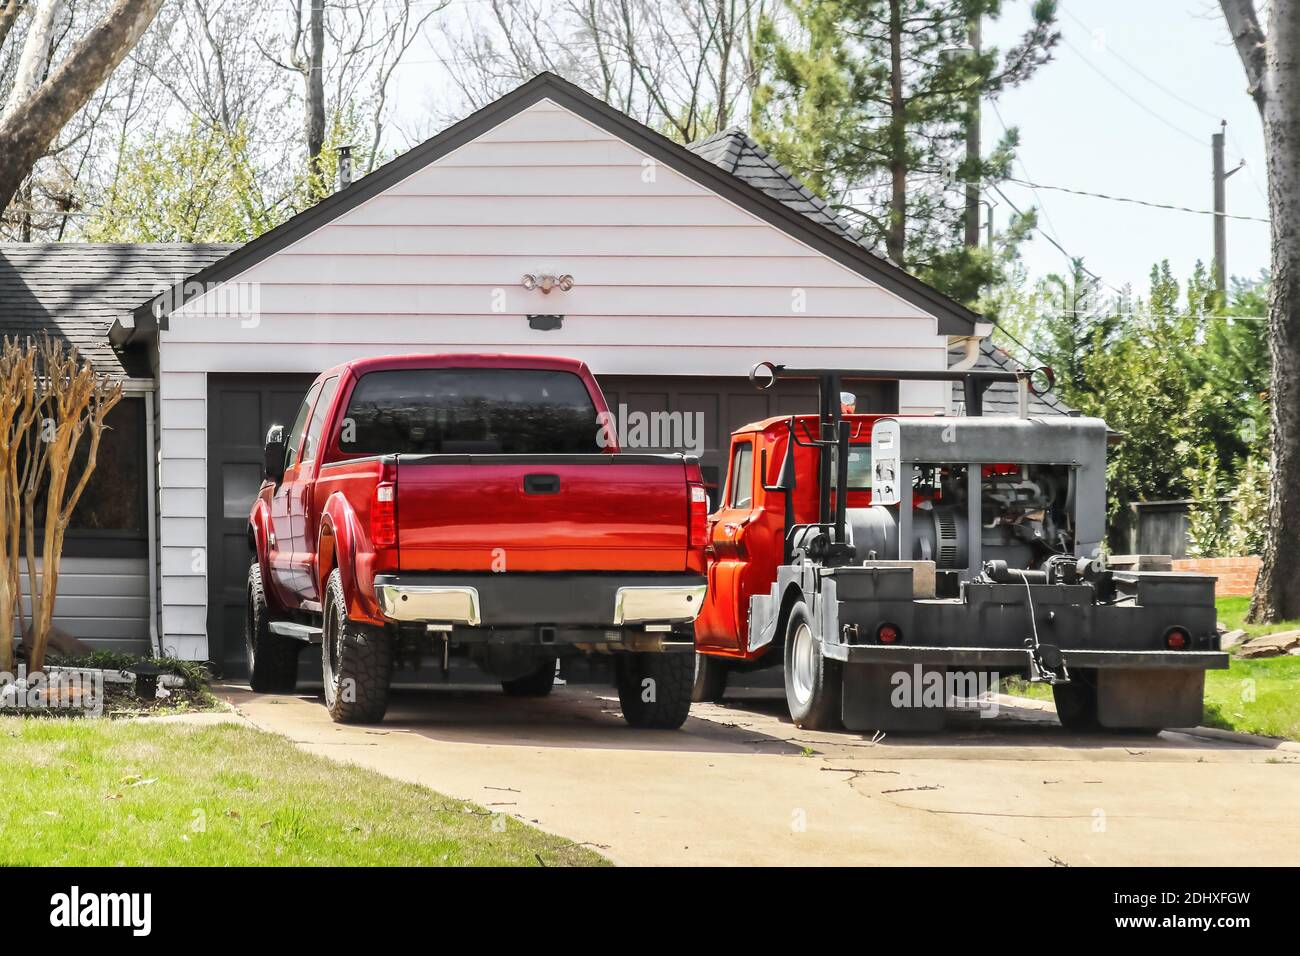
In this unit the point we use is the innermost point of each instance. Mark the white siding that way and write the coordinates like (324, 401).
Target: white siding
(102, 601)
(670, 278)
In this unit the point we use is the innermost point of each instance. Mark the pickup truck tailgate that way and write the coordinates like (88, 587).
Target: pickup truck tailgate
(510, 513)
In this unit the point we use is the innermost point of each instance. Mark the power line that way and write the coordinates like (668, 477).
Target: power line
(1131, 98)
(1154, 82)
(1023, 168)
(1136, 202)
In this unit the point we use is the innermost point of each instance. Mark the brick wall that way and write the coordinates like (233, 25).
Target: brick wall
(1236, 576)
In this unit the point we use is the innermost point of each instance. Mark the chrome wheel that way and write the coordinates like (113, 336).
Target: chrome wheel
(803, 665)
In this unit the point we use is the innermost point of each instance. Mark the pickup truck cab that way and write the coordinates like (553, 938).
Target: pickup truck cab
(477, 506)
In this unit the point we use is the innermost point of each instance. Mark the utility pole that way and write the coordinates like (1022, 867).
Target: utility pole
(1220, 220)
(973, 151)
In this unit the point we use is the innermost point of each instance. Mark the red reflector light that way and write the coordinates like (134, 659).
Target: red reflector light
(383, 517)
(888, 634)
(1177, 638)
(699, 516)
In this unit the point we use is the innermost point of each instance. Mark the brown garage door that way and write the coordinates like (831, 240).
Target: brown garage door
(728, 403)
(240, 410)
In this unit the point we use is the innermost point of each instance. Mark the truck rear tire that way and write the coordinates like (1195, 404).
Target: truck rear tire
(710, 679)
(535, 684)
(814, 684)
(272, 659)
(356, 662)
(654, 689)
(1076, 702)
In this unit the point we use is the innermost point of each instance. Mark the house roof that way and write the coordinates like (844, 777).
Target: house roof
(1003, 398)
(76, 291)
(738, 153)
(750, 188)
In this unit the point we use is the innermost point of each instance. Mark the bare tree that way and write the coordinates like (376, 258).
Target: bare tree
(31, 125)
(17, 410)
(346, 54)
(9, 10)
(69, 400)
(683, 66)
(38, 47)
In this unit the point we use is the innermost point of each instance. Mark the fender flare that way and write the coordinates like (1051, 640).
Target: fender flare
(336, 547)
(259, 521)
(792, 595)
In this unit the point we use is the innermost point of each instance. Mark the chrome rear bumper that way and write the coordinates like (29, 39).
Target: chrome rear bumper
(590, 600)
(660, 605)
(415, 602)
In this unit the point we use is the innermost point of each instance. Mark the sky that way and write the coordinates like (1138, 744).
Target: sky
(1126, 108)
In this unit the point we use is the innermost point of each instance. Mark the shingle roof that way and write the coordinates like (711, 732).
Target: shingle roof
(76, 290)
(1003, 398)
(739, 154)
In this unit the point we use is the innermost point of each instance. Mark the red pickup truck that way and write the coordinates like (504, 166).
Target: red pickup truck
(477, 506)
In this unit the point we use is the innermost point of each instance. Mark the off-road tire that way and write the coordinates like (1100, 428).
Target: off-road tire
(814, 685)
(535, 684)
(272, 659)
(356, 662)
(1076, 702)
(710, 679)
(667, 678)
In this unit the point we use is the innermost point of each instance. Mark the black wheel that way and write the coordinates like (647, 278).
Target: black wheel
(1076, 702)
(272, 659)
(356, 661)
(538, 683)
(813, 683)
(710, 679)
(655, 688)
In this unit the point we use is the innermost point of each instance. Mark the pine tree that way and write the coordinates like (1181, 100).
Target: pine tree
(870, 104)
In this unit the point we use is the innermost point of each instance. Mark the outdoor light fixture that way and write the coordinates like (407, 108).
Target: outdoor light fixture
(547, 282)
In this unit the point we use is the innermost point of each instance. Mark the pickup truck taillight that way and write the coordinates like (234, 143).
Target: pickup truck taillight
(699, 516)
(383, 517)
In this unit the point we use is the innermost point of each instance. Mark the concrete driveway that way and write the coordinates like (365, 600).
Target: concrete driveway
(741, 785)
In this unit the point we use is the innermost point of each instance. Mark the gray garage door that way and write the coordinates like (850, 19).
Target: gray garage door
(240, 410)
(728, 403)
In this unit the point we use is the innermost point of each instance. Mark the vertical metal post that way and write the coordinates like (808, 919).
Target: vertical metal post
(841, 481)
(974, 518)
(905, 473)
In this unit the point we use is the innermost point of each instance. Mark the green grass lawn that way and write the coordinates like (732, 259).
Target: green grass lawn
(87, 792)
(1232, 614)
(1259, 696)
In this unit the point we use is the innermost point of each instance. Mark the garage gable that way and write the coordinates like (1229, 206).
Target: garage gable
(588, 171)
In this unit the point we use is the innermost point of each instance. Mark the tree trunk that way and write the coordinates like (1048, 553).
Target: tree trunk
(972, 223)
(28, 129)
(9, 10)
(1277, 592)
(38, 46)
(896, 234)
(316, 89)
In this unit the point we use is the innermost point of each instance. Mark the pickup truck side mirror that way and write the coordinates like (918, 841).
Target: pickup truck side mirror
(273, 454)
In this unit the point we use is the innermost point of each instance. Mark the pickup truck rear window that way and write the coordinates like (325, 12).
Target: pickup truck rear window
(485, 411)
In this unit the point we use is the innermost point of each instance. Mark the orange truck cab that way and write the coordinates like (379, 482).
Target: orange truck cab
(746, 532)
